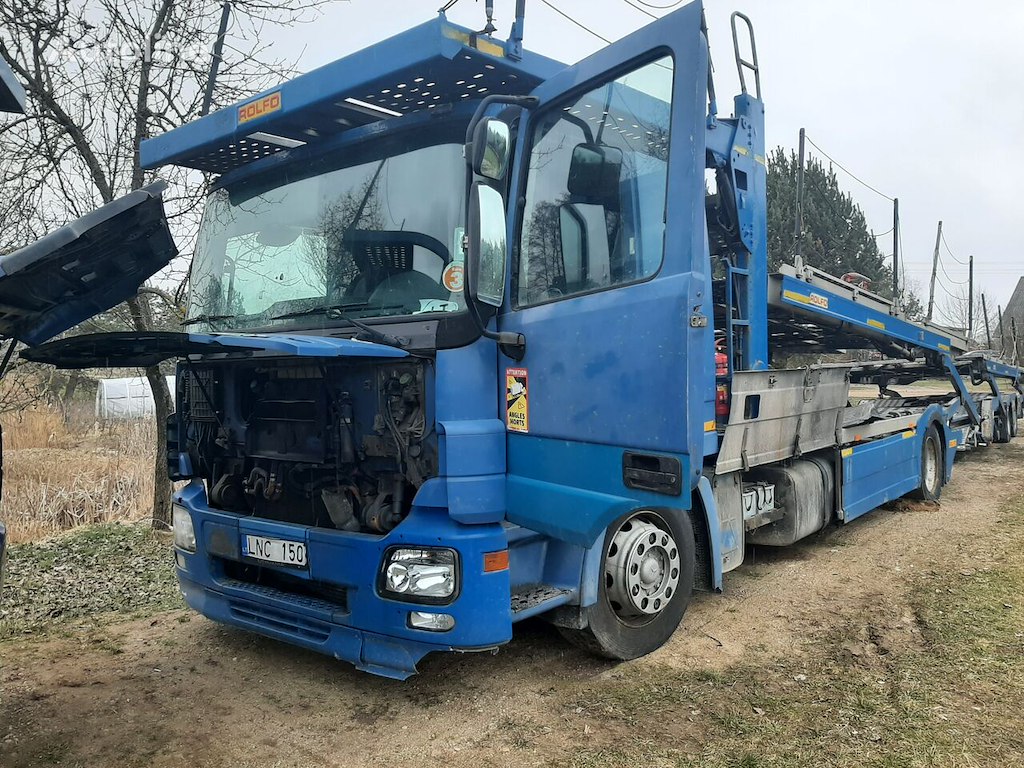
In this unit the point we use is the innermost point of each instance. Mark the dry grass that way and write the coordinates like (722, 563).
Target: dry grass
(58, 476)
(952, 697)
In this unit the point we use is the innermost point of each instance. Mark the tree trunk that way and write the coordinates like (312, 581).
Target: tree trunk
(162, 487)
(141, 318)
(69, 392)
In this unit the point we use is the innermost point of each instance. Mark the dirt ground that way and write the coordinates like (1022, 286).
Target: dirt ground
(174, 689)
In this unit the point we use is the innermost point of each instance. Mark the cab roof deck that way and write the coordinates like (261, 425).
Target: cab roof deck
(427, 68)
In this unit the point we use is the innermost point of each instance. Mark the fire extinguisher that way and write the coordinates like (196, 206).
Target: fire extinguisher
(722, 390)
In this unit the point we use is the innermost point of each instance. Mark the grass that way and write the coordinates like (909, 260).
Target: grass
(58, 476)
(943, 688)
(88, 573)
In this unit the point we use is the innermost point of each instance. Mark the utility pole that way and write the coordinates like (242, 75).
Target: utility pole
(984, 312)
(896, 254)
(1002, 333)
(970, 296)
(798, 225)
(935, 267)
(218, 51)
(1013, 338)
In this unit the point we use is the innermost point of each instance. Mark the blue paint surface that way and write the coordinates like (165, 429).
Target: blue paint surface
(372, 631)
(573, 491)
(301, 346)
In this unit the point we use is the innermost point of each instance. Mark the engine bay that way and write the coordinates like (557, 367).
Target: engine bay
(341, 445)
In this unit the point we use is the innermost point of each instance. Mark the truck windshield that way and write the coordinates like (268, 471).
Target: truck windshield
(381, 238)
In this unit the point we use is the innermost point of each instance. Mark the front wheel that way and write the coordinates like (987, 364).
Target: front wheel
(646, 583)
(931, 467)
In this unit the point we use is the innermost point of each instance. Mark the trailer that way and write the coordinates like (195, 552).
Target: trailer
(450, 357)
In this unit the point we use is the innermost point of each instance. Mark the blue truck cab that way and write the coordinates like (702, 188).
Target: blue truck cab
(450, 362)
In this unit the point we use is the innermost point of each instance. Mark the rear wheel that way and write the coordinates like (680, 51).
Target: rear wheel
(646, 583)
(931, 467)
(1013, 421)
(1001, 432)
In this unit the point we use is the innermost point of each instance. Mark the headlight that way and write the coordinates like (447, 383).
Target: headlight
(184, 533)
(420, 575)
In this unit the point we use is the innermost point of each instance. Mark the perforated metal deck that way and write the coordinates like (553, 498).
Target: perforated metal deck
(431, 66)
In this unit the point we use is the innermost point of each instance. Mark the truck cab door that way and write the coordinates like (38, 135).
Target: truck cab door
(610, 287)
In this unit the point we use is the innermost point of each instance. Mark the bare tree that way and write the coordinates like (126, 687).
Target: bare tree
(102, 76)
(957, 313)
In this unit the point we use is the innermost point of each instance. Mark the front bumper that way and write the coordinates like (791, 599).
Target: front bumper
(333, 606)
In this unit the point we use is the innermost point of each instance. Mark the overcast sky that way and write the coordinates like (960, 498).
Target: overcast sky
(919, 98)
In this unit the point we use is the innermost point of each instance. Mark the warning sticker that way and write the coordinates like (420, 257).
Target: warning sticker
(517, 400)
(453, 277)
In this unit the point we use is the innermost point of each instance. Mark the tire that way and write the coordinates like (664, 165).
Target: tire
(1001, 429)
(932, 467)
(644, 589)
(1013, 421)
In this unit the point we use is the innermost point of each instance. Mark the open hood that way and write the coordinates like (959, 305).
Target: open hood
(142, 349)
(85, 267)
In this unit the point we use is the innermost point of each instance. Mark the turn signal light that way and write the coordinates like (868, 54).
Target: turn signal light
(496, 561)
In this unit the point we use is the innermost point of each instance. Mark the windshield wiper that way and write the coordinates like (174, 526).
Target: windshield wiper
(204, 319)
(340, 312)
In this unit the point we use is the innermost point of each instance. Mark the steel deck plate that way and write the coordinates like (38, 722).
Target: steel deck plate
(427, 68)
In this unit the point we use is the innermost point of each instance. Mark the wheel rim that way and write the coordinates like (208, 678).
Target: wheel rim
(641, 568)
(931, 466)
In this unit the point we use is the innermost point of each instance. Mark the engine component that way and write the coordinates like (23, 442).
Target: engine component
(339, 445)
(264, 484)
(228, 492)
(385, 511)
(340, 505)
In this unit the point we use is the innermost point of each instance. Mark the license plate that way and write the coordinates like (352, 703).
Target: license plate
(275, 550)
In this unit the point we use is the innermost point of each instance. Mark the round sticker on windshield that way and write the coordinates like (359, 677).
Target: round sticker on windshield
(452, 278)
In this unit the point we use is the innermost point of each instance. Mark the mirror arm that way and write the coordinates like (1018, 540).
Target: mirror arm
(527, 102)
(512, 344)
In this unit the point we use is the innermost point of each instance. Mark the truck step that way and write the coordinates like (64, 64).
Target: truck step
(531, 599)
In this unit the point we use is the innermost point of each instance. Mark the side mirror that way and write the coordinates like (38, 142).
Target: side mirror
(492, 140)
(486, 237)
(594, 173)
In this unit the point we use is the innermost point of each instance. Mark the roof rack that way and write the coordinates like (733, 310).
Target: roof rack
(427, 68)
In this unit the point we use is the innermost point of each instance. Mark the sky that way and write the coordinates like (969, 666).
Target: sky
(919, 98)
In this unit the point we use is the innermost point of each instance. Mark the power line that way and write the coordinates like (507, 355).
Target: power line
(947, 291)
(660, 7)
(642, 10)
(848, 171)
(956, 282)
(582, 26)
(950, 252)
